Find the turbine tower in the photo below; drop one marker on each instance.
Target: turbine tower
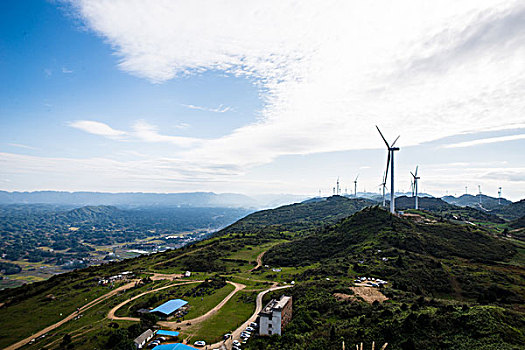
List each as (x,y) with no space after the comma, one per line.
(390,161)
(479,189)
(499,195)
(338,190)
(383,186)
(416,178)
(355,186)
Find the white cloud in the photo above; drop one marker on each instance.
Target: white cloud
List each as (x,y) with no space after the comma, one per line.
(66,70)
(486,141)
(330,70)
(98,128)
(220,109)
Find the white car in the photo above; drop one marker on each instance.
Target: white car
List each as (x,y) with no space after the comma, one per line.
(250,329)
(236,343)
(200,343)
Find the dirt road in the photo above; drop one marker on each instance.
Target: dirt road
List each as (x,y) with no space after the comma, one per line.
(197,320)
(258,307)
(111,313)
(72,316)
(259,261)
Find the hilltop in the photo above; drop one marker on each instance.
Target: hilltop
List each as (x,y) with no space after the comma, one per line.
(300,216)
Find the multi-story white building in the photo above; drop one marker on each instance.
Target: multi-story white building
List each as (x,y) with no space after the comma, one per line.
(275,316)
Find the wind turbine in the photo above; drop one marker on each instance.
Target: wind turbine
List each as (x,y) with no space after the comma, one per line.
(390,161)
(355,186)
(338,190)
(499,195)
(416,178)
(383,186)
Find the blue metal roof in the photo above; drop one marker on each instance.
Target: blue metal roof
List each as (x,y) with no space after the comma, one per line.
(170,307)
(168,333)
(178,346)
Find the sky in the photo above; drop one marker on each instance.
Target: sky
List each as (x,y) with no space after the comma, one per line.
(261,97)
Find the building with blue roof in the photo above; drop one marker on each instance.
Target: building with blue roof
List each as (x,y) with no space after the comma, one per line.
(177,346)
(167,333)
(169,307)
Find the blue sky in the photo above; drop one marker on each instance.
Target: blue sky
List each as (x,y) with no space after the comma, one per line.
(260,97)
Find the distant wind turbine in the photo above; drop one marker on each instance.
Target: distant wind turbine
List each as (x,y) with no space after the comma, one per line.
(390,161)
(355,186)
(416,179)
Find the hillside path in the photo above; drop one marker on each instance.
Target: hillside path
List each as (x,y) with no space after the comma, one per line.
(259,261)
(72,316)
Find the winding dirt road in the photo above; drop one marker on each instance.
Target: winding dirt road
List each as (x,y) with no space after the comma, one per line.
(73,315)
(111,313)
(197,320)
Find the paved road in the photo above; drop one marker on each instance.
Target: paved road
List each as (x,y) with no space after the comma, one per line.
(72,316)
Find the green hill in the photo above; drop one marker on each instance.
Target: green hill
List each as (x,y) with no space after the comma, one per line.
(448,211)
(300,216)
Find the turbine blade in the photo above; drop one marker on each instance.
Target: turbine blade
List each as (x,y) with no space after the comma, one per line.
(387,164)
(380,133)
(417,166)
(397,138)
(412,175)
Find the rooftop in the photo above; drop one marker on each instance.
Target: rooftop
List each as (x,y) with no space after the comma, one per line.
(170,307)
(276,305)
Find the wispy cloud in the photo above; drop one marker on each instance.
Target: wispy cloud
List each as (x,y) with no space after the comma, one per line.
(149,133)
(19,145)
(220,109)
(66,70)
(98,128)
(486,141)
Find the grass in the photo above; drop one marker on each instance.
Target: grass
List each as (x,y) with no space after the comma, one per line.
(14,320)
(199,307)
(236,311)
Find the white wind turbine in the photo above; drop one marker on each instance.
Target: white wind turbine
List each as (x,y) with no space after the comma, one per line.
(390,161)
(416,178)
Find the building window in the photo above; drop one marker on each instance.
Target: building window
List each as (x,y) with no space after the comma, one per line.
(270,332)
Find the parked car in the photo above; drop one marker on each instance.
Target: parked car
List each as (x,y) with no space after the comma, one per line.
(250,329)
(227,336)
(254,325)
(236,343)
(236,348)
(200,343)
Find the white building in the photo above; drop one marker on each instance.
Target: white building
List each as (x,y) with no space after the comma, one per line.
(142,339)
(275,316)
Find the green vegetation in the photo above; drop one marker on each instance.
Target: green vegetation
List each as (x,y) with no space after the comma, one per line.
(451,284)
(236,311)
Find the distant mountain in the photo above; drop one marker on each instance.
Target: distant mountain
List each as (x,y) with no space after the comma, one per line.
(468,200)
(425,203)
(194,199)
